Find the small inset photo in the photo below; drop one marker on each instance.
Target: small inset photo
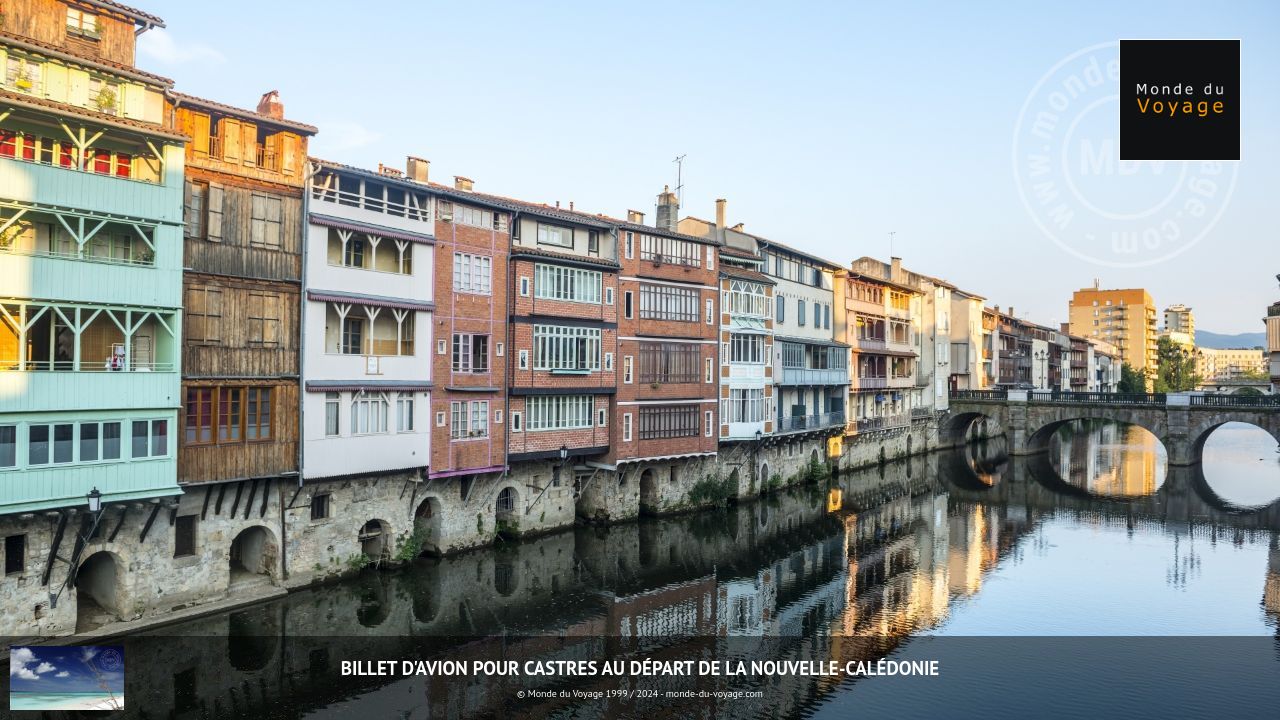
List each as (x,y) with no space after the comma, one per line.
(87,677)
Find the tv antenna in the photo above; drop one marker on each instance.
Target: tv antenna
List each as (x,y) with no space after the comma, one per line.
(679,161)
(891,234)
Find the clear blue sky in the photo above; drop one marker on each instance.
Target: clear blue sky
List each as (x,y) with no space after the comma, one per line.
(825,125)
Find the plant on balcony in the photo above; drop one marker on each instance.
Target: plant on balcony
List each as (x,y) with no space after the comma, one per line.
(24,81)
(106,100)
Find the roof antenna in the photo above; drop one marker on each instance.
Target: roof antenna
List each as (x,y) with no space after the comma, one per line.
(891,234)
(679,161)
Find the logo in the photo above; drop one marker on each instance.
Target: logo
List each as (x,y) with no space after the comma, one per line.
(1180,99)
(1083,195)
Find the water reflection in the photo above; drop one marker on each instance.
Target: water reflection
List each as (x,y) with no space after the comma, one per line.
(966,542)
(1109,459)
(1242,465)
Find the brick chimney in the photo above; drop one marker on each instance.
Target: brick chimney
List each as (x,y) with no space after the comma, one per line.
(271,106)
(635,216)
(721,211)
(462,183)
(417,169)
(668,210)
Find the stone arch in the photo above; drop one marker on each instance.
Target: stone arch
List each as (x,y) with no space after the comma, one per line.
(375,540)
(252,637)
(649,492)
(101,595)
(506,511)
(373,601)
(254,553)
(763,475)
(428,520)
(1043,423)
(1199,434)
(955,429)
(506,577)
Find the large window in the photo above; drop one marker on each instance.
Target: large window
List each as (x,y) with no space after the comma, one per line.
(470,353)
(559,412)
(746,405)
(265,222)
(469,419)
(669,250)
(264,320)
(746,298)
(82,23)
(869,328)
(150,438)
(553,282)
(663,302)
(8,446)
(668,421)
(477,217)
(472,273)
(227,415)
(555,235)
(204,315)
(792,355)
(747,349)
(557,347)
(669,362)
(369,414)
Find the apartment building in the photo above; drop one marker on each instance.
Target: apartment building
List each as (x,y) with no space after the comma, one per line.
(1230,363)
(91,257)
(242,282)
(1125,318)
(968,342)
(1180,319)
(1272,323)
(878,322)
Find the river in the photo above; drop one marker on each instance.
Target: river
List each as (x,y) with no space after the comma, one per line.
(1093,581)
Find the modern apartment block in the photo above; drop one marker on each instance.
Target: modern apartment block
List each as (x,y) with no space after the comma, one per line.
(1180,319)
(242,282)
(91,257)
(1124,318)
(1231,363)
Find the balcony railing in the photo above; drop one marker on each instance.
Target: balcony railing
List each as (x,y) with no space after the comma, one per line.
(979,394)
(815,376)
(1236,400)
(886,422)
(798,423)
(104,366)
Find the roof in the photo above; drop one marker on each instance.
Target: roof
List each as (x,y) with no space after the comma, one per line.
(369,300)
(403,182)
(369,229)
(738,252)
(767,243)
(745,274)
(881,281)
(540,209)
(518,250)
(45,48)
(241,112)
(651,230)
(28,101)
(133,13)
(357,385)
(810,341)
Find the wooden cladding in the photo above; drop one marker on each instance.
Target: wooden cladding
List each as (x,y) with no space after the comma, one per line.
(239,328)
(240,146)
(242,231)
(238,458)
(111,36)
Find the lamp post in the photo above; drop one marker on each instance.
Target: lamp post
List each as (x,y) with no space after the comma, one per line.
(1043,356)
(95,508)
(564,455)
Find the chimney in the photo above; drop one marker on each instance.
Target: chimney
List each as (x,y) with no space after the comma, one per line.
(895,269)
(462,183)
(1097,284)
(1011,313)
(271,106)
(668,210)
(737,228)
(635,216)
(721,211)
(570,206)
(416,168)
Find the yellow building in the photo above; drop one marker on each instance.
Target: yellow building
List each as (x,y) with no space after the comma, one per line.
(1125,318)
(1231,364)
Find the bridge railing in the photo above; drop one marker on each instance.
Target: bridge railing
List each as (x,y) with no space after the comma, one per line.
(1098,398)
(979,394)
(1263,401)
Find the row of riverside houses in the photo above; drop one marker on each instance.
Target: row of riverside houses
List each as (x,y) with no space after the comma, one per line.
(228,368)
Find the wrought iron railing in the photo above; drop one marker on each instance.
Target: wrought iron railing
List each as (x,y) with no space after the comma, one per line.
(810,422)
(979,394)
(1236,400)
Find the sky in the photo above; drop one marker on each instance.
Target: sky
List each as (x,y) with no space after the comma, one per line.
(825,126)
(68,669)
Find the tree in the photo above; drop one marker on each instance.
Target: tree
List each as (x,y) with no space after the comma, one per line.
(1132,380)
(1176,367)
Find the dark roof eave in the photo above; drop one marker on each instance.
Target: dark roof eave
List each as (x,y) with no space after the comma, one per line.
(141,18)
(110,67)
(83,115)
(405,182)
(241,112)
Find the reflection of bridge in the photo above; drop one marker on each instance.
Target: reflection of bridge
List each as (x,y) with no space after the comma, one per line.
(1184,499)
(1181,422)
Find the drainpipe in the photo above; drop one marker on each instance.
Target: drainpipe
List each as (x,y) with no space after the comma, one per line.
(511,352)
(302,361)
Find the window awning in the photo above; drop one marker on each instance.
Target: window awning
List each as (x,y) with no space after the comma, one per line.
(369,229)
(369,300)
(890,353)
(369,385)
(750,326)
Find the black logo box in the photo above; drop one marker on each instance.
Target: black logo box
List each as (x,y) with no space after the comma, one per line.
(1187,68)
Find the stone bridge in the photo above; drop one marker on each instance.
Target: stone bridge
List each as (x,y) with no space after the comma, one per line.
(1181,422)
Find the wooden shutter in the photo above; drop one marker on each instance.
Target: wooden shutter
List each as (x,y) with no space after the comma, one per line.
(258,220)
(229,131)
(288,153)
(214,230)
(249,146)
(198,128)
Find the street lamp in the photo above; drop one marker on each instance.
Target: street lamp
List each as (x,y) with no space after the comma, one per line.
(95,501)
(564,453)
(94,497)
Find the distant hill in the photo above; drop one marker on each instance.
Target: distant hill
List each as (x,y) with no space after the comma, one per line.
(1204,338)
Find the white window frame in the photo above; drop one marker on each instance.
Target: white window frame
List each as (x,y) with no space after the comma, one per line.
(710,369)
(626,427)
(559,412)
(468,420)
(370,413)
(404,412)
(556,282)
(709,421)
(558,348)
(472,274)
(517,424)
(628,368)
(523,361)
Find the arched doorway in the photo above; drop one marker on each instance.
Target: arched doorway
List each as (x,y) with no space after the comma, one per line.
(763,479)
(648,492)
(373,541)
(98,592)
(504,511)
(426,523)
(253,557)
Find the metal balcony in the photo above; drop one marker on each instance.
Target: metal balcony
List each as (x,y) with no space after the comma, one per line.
(800,423)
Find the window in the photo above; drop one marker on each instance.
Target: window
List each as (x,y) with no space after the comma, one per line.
(352,335)
(561,348)
(668,421)
(517,422)
(469,419)
(230,414)
(473,216)
(554,235)
(111,441)
(440,419)
(257,424)
(608,361)
(320,506)
(81,23)
(629,249)
(626,427)
(184,536)
(711,311)
(745,405)
(523,360)
(353,252)
(497,416)
(711,258)
(332,406)
(746,349)
(15,554)
(709,370)
(782,309)
(204,315)
(264,320)
(470,353)
(708,423)
(264,221)
(553,282)
(8,446)
(626,368)
(663,302)
(197,201)
(150,438)
(369,414)
(800,313)
(745,298)
(199,430)
(626,305)
(593,242)
(404,412)
(524,287)
(608,296)
(669,362)
(472,273)
(38,444)
(669,250)
(602,417)
(559,412)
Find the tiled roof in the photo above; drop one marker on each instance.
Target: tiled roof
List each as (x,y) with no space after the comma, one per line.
(134,13)
(767,243)
(370,300)
(602,262)
(738,252)
(636,227)
(406,182)
(41,104)
(542,209)
(232,110)
(745,274)
(357,385)
(45,48)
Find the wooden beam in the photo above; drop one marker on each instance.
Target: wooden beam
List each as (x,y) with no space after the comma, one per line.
(295,497)
(248,503)
(53,547)
(413,499)
(146,527)
(124,512)
(79,547)
(236,505)
(266,495)
(204,511)
(173,515)
(222,491)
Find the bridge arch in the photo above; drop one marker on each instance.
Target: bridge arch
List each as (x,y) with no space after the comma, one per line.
(956,429)
(1200,432)
(1043,422)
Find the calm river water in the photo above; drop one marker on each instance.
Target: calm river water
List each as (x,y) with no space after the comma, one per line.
(1089,582)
